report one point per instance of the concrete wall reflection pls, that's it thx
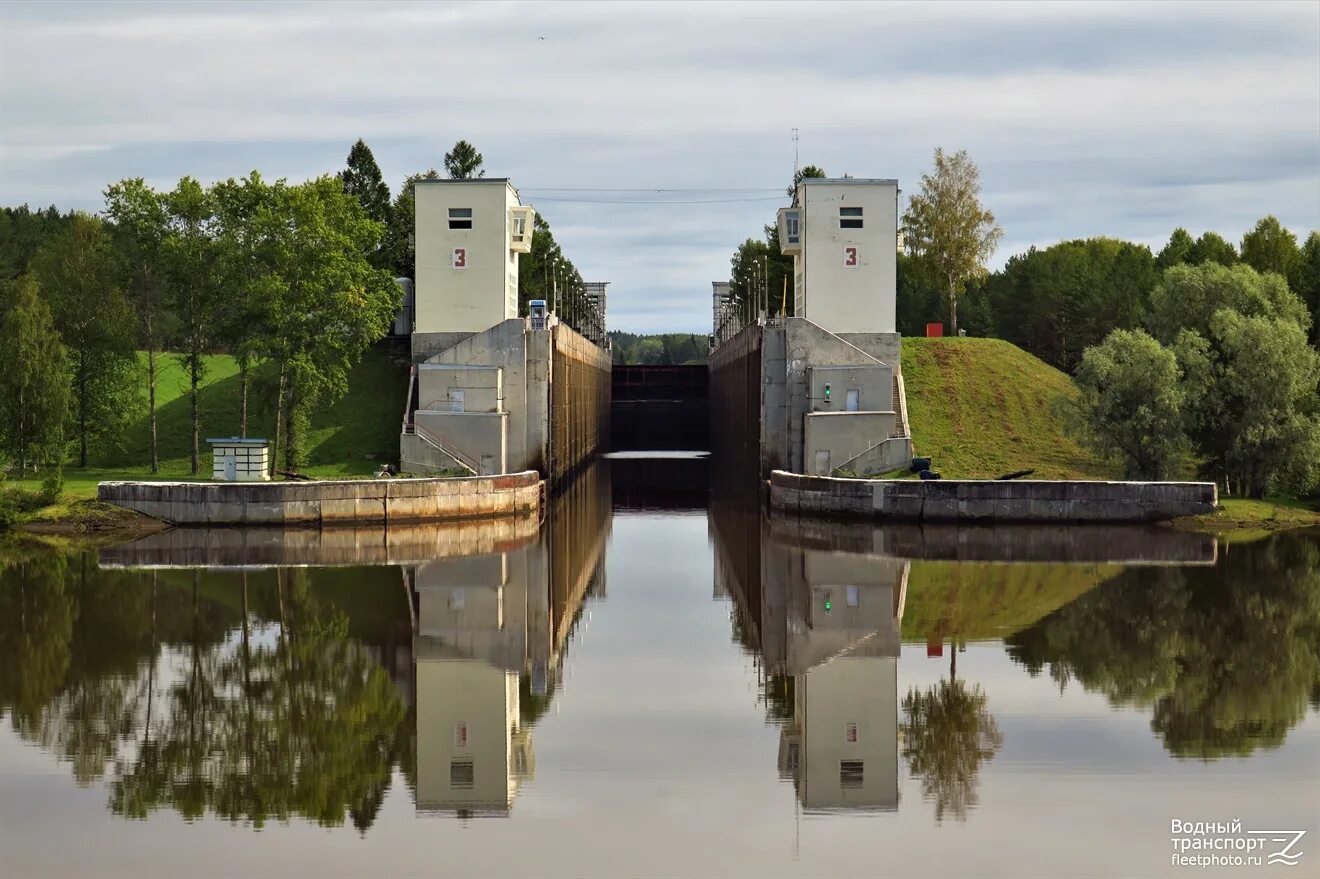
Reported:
(826, 624)
(491, 630)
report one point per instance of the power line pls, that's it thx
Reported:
(693, 189)
(661, 201)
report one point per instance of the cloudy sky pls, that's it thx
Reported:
(1114, 119)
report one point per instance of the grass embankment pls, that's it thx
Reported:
(1242, 519)
(350, 438)
(980, 408)
(980, 600)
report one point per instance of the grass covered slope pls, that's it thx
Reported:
(349, 438)
(984, 407)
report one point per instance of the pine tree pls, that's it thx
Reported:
(463, 162)
(362, 180)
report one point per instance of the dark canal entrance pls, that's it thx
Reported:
(659, 407)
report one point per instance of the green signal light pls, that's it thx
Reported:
(828, 604)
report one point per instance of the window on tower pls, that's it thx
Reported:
(460, 218)
(850, 218)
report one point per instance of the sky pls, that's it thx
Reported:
(1115, 119)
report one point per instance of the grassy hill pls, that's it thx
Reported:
(979, 600)
(348, 438)
(984, 407)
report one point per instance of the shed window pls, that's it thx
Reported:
(460, 218)
(850, 218)
(851, 773)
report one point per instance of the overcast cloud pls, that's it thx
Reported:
(1113, 119)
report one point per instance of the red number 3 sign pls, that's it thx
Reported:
(460, 258)
(850, 257)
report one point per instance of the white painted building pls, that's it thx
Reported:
(468, 237)
(842, 234)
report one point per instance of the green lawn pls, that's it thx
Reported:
(1242, 518)
(350, 438)
(980, 408)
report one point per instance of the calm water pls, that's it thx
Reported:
(655, 685)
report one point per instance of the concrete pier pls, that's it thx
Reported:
(330, 502)
(1018, 500)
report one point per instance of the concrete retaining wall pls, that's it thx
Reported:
(579, 400)
(1018, 500)
(315, 504)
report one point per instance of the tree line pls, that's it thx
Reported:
(1203, 354)
(270, 272)
(294, 281)
(662, 349)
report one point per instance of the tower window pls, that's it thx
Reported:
(460, 218)
(461, 774)
(850, 218)
(851, 773)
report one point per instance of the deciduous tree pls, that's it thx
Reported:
(947, 226)
(191, 257)
(34, 384)
(1305, 282)
(1176, 251)
(1211, 247)
(1131, 404)
(328, 304)
(140, 225)
(78, 277)
(1269, 247)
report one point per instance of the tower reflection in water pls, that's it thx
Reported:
(491, 628)
(823, 614)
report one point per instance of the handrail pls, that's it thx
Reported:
(431, 439)
(901, 404)
(407, 401)
(848, 465)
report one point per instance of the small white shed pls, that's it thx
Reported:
(239, 459)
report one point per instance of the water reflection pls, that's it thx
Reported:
(1223, 651)
(825, 623)
(350, 677)
(188, 675)
(1226, 658)
(491, 630)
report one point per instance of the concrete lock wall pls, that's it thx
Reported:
(768, 381)
(551, 391)
(834, 437)
(1018, 500)
(579, 397)
(318, 504)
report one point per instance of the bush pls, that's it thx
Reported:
(52, 488)
(16, 503)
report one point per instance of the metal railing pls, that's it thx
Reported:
(431, 439)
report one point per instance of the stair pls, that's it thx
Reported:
(901, 423)
(434, 441)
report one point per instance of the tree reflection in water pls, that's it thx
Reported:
(192, 699)
(1226, 658)
(947, 733)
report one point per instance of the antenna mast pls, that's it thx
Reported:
(795, 153)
